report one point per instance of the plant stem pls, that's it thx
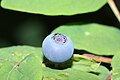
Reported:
(98, 58)
(109, 76)
(114, 9)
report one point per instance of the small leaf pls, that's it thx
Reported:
(116, 74)
(67, 74)
(94, 38)
(20, 63)
(54, 7)
(116, 61)
(103, 72)
(84, 64)
(116, 67)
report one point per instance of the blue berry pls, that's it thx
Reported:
(57, 48)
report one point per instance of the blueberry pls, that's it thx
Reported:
(57, 48)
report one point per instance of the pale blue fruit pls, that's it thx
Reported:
(57, 48)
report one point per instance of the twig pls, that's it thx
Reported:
(109, 76)
(114, 9)
(98, 58)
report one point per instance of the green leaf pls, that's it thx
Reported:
(92, 37)
(20, 63)
(67, 74)
(116, 67)
(116, 61)
(54, 7)
(88, 65)
(116, 74)
(103, 72)
(84, 64)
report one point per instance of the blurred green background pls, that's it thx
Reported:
(20, 28)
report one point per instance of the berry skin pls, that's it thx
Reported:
(57, 48)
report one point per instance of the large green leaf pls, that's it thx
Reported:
(95, 38)
(54, 7)
(20, 63)
(67, 74)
